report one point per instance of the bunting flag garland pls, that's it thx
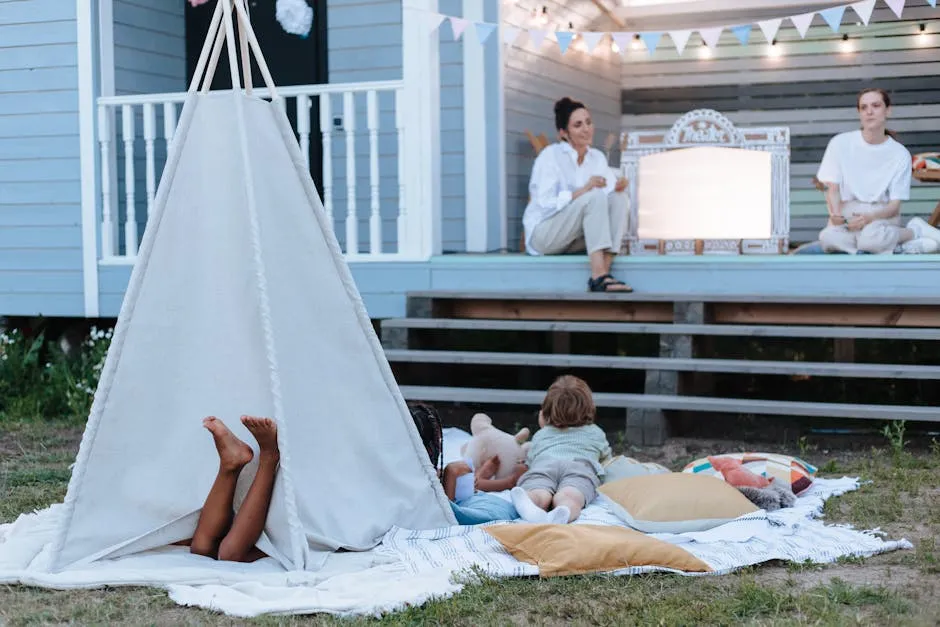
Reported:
(592, 39)
(864, 10)
(743, 33)
(510, 34)
(711, 35)
(564, 39)
(537, 37)
(458, 25)
(802, 22)
(484, 31)
(770, 28)
(651, 40)
(897, 6)
(833, 17)
(621, 40)
(680, 38)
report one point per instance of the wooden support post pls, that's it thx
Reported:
(650, 427)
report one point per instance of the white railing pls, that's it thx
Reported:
(127, 124)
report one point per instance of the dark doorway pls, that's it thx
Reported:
(293, 60)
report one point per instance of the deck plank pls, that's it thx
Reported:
(681, 403)
(731, 366)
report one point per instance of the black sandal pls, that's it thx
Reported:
(604, 282)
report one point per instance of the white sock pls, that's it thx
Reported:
(559, 515)
(528, 511)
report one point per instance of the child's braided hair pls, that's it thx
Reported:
(428, 422)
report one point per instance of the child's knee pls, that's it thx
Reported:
(230, 552)
(542, 498)
(569, 497)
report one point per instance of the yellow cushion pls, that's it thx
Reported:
(675, 502)
(578, 549)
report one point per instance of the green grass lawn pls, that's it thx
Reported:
(899, 588)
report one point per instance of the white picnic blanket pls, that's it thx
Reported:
(411, 567)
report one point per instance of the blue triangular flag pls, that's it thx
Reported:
(564, 40)
(743, 33)
(932, 3)
(833, 17)
(484, 30)
(651, 40)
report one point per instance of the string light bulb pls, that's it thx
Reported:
(614, 47)
(637, 43)
(704, 52)
(774, 51)
(922, 39)
(847, 45)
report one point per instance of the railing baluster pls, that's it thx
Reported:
(303, 127)
(326, 132)
(130, 222)
(105, 132)
(402, 222)
(375, 216)
(352, 220)
(169, 123)
(150, 134)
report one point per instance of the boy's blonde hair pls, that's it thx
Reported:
(568, 403)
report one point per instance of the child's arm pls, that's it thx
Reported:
(498, 485)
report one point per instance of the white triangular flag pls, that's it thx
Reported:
(897, 6)
(459, 25)
(680, 38)
(537, 37)
(592, 39)
(435, 20)
(864, 10)
(711, 35)
(622, 40)
(770, 28)
(802, 22)
(510, 34)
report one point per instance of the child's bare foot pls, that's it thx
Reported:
(233, 453)
(265, 432)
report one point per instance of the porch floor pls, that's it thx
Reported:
(385, 284)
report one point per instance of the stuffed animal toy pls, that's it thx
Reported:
(488, 441)
(767, 494)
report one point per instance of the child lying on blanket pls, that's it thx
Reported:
(564, 457)
(465, 487)
(220, 533)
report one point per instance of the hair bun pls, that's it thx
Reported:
(564, 104)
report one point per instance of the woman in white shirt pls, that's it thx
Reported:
(575, 203)
(868, 174)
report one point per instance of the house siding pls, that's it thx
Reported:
(811, 89)
(40, 209)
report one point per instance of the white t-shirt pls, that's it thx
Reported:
(866, 172)
(556, 175)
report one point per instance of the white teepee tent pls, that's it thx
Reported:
(240, 302)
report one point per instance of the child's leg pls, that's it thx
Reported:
(572, 499)
(216, 516)
(239, 543)
(541, 498)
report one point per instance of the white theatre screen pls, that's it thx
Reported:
(705, 192)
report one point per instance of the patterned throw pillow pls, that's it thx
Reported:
(792, 471)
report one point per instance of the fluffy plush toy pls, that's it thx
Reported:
(488, 441)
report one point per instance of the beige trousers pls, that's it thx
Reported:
(593, 221)
(879, 237)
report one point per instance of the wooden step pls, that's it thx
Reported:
(680, 403)
(640, 328)
(737, 366)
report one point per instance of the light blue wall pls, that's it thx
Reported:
(40, 212)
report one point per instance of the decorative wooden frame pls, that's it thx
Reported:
(706, 127)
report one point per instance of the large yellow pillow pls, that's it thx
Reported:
(675, 502)
(578, 549)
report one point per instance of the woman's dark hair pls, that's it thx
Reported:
(563, 110)
(428, 422)
(885, 98)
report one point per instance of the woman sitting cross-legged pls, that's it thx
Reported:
(867, 175)
(575, 203)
